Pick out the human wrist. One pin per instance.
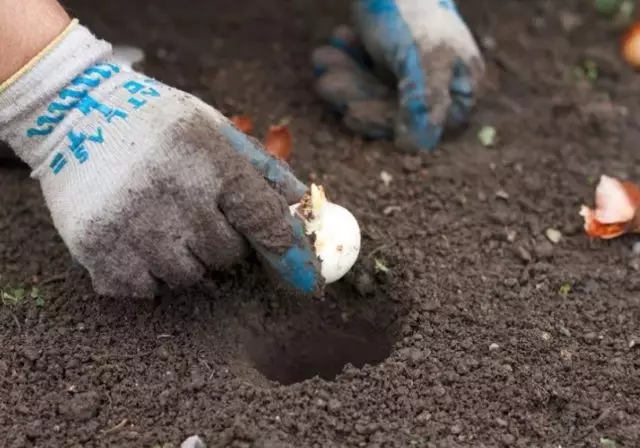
(26, 28)
(32, 100)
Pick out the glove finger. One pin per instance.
(261, 215)
(298, 265)
(340, 87)
(275, 171)
(328, 58)
(118, 271)
(172, 261)
(371, 118)
(345, 39)
(427, 96)
(462, 96)
(214, 242)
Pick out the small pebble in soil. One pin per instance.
(494, 346)
(386, 178)
(390, 209)
(31, 354)
(501, 194)
(524, 254)
(81, 407)
(543, 249)
(364, 284)
(545, 335)
(590, 337)
(411, 163)
(553, 235)
(566, 354)
(334, 404)
(417, 356)
(565, 331)
(193, 442)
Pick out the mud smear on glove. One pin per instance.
(440, 63)
(252, 206)
(192, 205)
(248, 202)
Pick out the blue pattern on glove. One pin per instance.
(298, 266)
(382, 25)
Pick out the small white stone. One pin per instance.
(553, 235)
(501, 194)
(386, 178)
(193, 442)
(389, 209)
(494, 346)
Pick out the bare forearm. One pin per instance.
(26, 28)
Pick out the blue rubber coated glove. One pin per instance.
(407, 71)
(147, 184)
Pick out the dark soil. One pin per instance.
(481, 333)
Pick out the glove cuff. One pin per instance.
(35, 99)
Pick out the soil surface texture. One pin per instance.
(462, 325)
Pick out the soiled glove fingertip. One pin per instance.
(417, 133)
(298, 266)
(301, 271)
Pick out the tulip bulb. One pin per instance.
(631, 45)
(616, 209)
(334, 230)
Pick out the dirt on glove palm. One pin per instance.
(462, 325)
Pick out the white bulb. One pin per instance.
(336, 232)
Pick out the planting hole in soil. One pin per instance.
(302, 341)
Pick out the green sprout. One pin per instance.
(487, 136)
(13, 296)
(587, 70)
(564, 289)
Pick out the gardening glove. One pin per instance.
(407, 71)
(145, 183)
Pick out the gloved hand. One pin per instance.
(145, 183)
(407, 72)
